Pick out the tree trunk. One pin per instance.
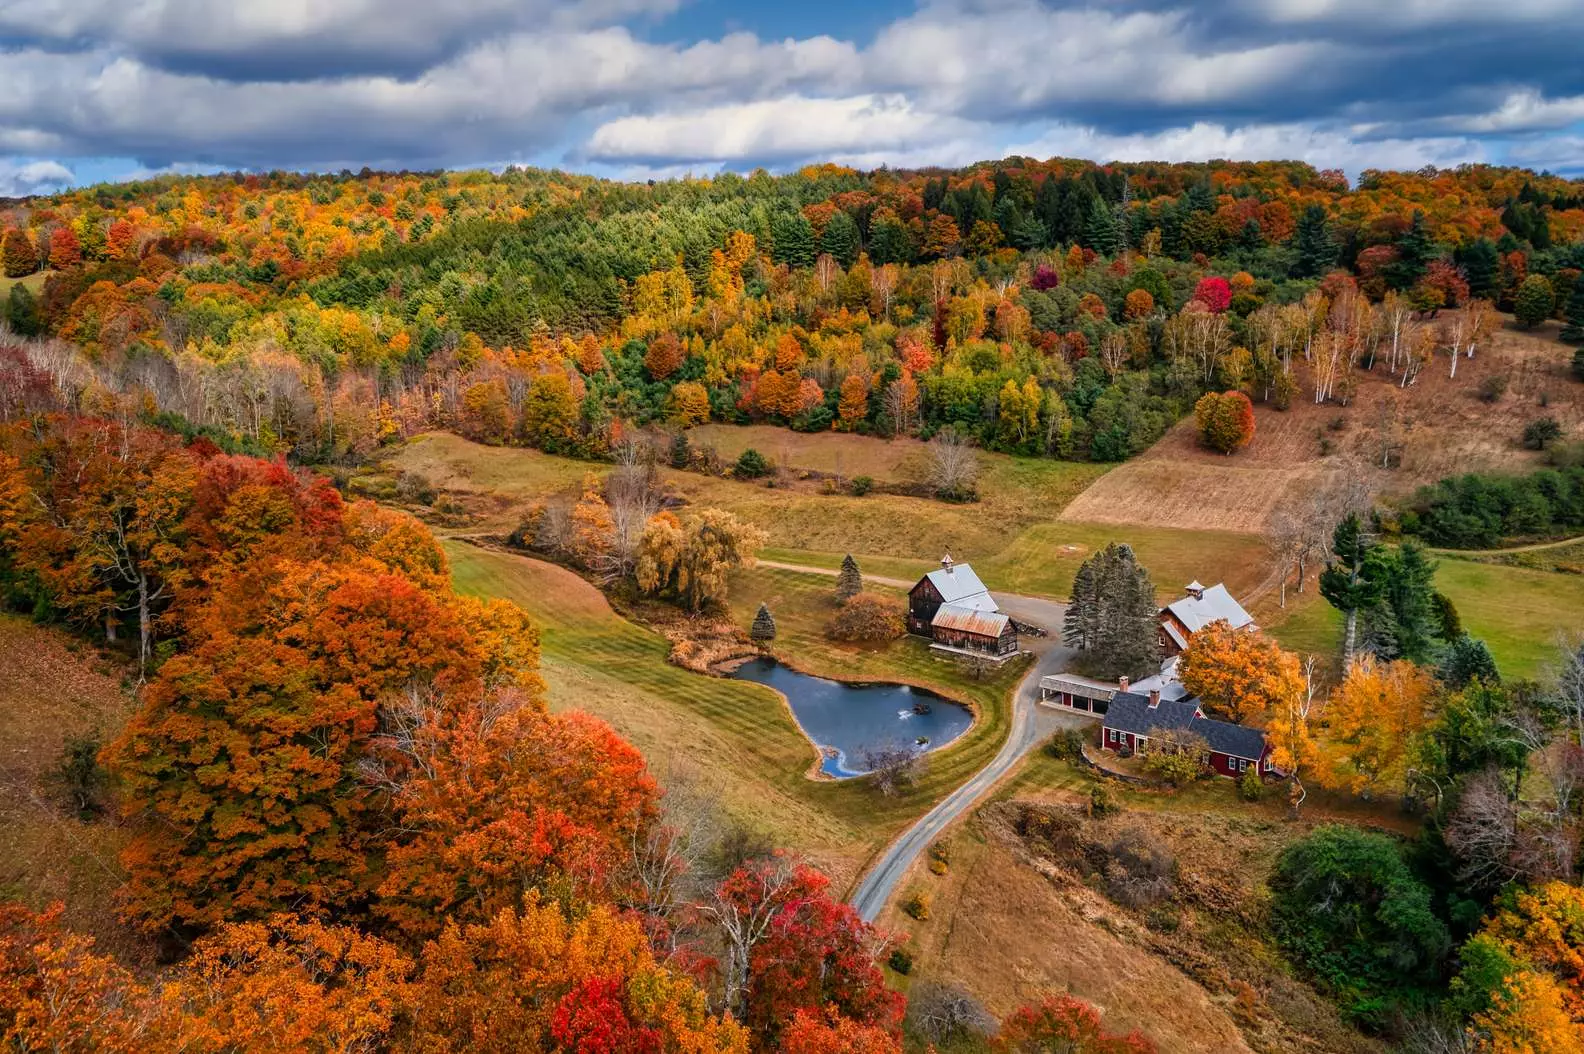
(144, 630)
(1350, 638)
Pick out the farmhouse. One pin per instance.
(1201, 605)
(954, 610)
(1132, 720)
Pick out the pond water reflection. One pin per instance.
(846, 720)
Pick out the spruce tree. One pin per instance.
(1415, 250)
(1344, 581)
(681, 451)
(889, 242)
(849, 582)
(1316, 252)
(1078, 621)
(840, 238)
(1468, 659)
(1409, 595)
(1482, 266)
(794, 241)
(1573, 332)
(1100, 229)
(764, 627)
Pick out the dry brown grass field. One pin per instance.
(54, 688)
(1441, 424)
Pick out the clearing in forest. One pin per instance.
(1437, 426)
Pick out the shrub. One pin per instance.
(1492, 388)
(1541, 432)
(1066, 744)
(858, 486)
(938, 867)
(415, 488)
(1175, 757)
(1250, 786)
(752, 465)
(1141, 871)
(1101, 801)
(940, 851)
(900, 961)
(82, 777)
(1533, 302)
(917, 905)
(867, 618)
(943, 1012)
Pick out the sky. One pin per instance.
(98, 90)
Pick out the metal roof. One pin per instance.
(957, 583)
(969, 620)
(1215, 603)
(1132, 713)
(1082, 687)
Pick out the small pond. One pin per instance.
(846, 720)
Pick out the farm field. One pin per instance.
(1441, 428)
(1517, 611)
(597, 661)
(1012, 536)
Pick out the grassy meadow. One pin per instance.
(733, 737)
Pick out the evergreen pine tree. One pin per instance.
(1482, 266)
(1128, 635)
(1468, 659)
(1573, 332)
(1080, 613)
(840, 238)
(1344, 582)
(1415, 250)
(849, 582)
(1100, 230)
(1316, 252)
(794, 241)
(681, 451)
(764, 627)
(889, 242)
(1409, 594)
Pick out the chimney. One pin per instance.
(1154, 698)
(946, 563)
(1122, 684)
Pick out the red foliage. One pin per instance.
(1071, 1026)
(1214, 293)
(592, 1019)
(1045, 277)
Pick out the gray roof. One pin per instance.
(1129, 712)
(959, 584)
(1165, 682)
(1083, 687)
(1215, 603)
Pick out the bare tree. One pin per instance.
(1570, 682)
(1286, 539)
(953, 465)
(944, 1012)
(901, 405)
(666, 858)
(894, 768)
(1483, 830)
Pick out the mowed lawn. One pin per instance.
(735, 737)
(1518, 612)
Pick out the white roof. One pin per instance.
(960, 584)
(1165, 682)
(1215, 603)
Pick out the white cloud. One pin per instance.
(1521, 111)
(1323, 148)
(1024, 56)
(20, 178)
(790, 128)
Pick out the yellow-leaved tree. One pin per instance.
(1244, 676)
(690, 561)
(1374, 716)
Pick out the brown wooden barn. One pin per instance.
(953, 609)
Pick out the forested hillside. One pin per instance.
(1056, 308)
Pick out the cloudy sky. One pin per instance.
(107, 89)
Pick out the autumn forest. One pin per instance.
(350, 815)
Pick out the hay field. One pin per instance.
(1442, 425)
